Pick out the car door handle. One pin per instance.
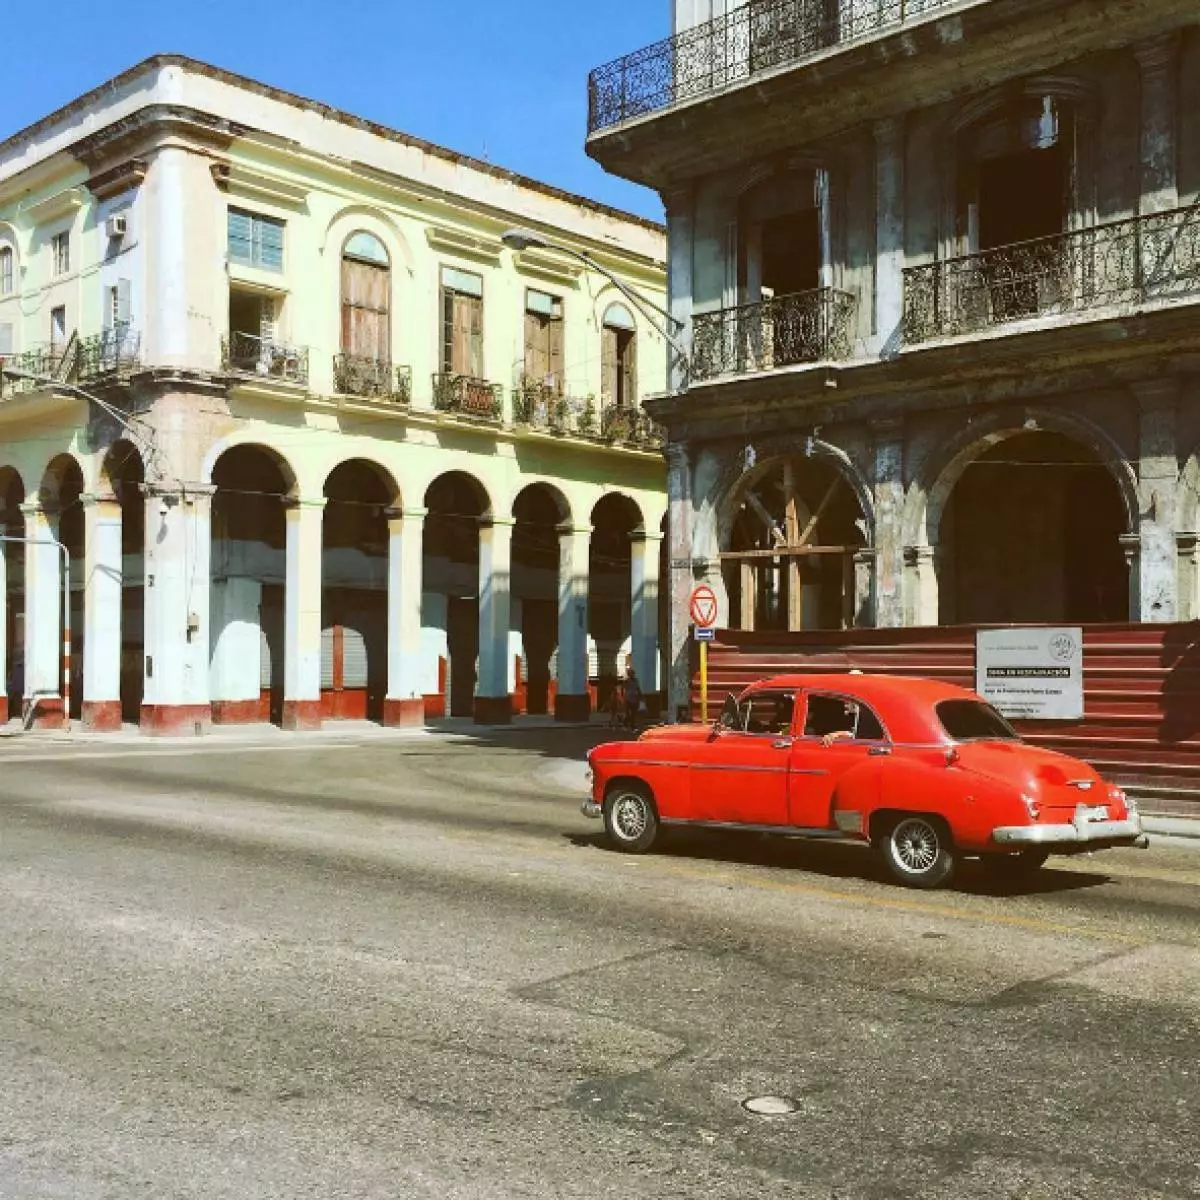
(781, 744)
(879, 751)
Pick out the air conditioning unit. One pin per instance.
(117, 226)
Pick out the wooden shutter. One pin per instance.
(608, 365)
(124, 302)
(268, 327)
(240, 237)
(556, 366)
(366, 296)
(467, 340)
(629, 369)
(537, 361)
(475, 310)
(269, 239)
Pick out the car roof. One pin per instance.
(904, 704)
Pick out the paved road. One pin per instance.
(410, 969)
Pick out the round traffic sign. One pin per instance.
(703, 606)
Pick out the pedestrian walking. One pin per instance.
(634, 701)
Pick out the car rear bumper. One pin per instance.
(1079, 833)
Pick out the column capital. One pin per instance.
(567, 530)
(865, 555)
(1186, 542)
(914, 556)
(32, 508)
(888, 129)
(398, 516)
(1159, 54)
(1156, 392)
(497, 522)
(646, 535)
(98, 499)
(298, 504)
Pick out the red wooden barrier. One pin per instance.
(1141, 723)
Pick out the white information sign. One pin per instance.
(1033, 673)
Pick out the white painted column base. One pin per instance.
(404, 703)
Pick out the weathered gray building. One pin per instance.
(937, 266)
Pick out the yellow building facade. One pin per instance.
(315, 441)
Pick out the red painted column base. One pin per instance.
(48, 713)
(176, 720)
(572, 708)
(242, 712)
(102, 716)
(3, 710)
(301, 716)
(493, 710)
(403, 713)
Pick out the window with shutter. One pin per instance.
(124, 302)
(366, 300)
(544, 340)
(6, 338)
(255, 240)
(462, 323)
(618, 353)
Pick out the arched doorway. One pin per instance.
(616, 519)
(249, 577)
(539, 511)
(12, 593)
(1031, 532)
(456, 505)
(60, 498)
(123, 477)
(790, 562)
(354, 573)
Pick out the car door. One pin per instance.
(836, 734)
(740, 775)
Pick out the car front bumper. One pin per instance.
(590, 808)
(1079, 834)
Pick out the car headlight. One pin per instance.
(1031, 806)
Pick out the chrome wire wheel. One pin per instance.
(631, 818)
(916, 845)
(916, 849)
(631, 815)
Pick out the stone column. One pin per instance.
(889, 235)
(681, 235)
(1159, 63)
(4, 626)
(1158, 473)
(493, 700)
(645, 575)
(921, 571)
(864, 587)
(404, 703)
(178, 558)
(1131, 547)
(102, 582)
(572, 701)
(679, 552)
(43, 619)
(1189, 575)
(889, 516)
(302, 616)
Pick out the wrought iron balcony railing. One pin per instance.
(468, 397)
(373, 378)
(539, 406)
(111, 354)
(1121, 265)
(46, 361)
(757, 36)
(630, 426)
(246, 354)
(815, 326)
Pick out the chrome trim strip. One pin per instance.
(739, 767)
(1073, 834)
(787, 830)
(611, 764)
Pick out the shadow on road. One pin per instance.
(841, 860)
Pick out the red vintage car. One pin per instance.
(927, 773)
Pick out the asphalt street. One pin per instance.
(410, 968)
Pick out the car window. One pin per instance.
(840, 714)
(974, 721)
(768, 712)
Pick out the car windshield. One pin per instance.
(974, 721)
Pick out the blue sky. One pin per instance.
(503, 80)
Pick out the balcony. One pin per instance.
(468, 397)
(785, 331)
(536, 406)
(247, 354)
(109, 356)
(621, 425)
(372, 378)
(1121, 266)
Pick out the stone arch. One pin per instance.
(624, 504)
(293, 485)
(345, 222)
(553, 492)
(935, 479)
(738, 478)
(385, 477)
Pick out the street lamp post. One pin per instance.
(659, 318)
(66, 620)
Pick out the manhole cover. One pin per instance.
(770, 1106)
